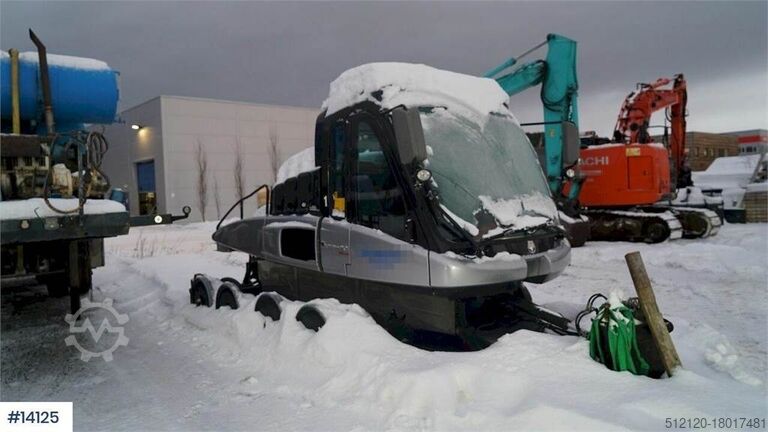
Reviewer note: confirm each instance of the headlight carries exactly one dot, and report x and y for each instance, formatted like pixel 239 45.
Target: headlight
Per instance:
pixel 423 175
pixel 570 173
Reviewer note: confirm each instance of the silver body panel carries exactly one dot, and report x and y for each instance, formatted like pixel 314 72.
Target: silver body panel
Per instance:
pixel 358 252
pixel 381 257
pixel 334 246
pixel 451 270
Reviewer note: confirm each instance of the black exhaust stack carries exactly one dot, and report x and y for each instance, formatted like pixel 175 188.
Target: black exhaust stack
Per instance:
pixel 45 82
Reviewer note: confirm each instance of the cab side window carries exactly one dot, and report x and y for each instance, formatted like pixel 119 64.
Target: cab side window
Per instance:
pixel 378 200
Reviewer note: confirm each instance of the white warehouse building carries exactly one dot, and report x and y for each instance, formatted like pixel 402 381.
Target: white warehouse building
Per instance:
pixel 155 151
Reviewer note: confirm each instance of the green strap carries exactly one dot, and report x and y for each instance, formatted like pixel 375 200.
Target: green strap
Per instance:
pixel 623 351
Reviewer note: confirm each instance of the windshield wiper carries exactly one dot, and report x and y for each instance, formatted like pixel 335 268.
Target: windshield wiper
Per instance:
pixel 528 230
pixel 461 231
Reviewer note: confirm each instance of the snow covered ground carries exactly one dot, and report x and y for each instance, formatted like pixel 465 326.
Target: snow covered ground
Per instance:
pixel 188 368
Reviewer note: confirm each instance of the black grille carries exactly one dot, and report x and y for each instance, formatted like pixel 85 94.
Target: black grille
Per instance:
pixel 520 246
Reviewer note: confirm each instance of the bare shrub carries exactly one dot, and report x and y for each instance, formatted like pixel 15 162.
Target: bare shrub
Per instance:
pixel 216 196
pixel 274 152
pixel 202 174
pixel 145 248
pixel 237 171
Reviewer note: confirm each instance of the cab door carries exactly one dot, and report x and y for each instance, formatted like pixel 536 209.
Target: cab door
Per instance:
pixel 379 245
pixel 334 230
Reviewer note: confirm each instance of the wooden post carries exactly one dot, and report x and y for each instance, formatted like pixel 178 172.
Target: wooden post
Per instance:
pixel 651 311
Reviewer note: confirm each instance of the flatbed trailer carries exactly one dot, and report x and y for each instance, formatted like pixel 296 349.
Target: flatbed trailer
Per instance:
pixel 58 251
pixel 61 251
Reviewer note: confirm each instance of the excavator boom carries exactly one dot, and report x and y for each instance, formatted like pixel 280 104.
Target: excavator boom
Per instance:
pixel 635 117
pixel 559 97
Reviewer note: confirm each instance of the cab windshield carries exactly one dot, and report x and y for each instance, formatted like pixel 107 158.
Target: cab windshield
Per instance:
pixel 486 174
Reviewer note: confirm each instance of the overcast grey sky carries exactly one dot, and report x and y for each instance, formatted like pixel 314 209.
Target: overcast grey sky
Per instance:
pixel 287 53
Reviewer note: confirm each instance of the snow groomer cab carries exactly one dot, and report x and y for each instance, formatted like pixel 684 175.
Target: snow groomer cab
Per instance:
pixel 422 201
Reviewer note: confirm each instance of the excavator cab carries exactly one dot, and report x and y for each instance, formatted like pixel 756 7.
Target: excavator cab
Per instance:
pixel 427 176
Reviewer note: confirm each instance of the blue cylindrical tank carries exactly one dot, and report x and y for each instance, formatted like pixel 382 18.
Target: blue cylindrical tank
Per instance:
pixel 82 90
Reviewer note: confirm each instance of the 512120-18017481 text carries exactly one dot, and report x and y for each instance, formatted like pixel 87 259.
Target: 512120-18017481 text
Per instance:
pixel 715 423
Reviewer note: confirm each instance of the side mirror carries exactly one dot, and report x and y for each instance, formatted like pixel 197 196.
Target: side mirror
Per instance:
pixel 571 143
pixel 409 135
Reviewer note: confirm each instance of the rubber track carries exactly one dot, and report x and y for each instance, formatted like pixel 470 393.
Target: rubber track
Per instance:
pixel 708 216
pixel 674 226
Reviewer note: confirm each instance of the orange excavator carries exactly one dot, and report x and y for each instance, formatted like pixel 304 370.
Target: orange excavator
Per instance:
pixel 630 191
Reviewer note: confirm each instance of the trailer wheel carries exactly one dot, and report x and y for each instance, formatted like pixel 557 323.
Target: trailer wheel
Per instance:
pixel 227 296
pixel 200 291
pixel 310 317
pixel 268 304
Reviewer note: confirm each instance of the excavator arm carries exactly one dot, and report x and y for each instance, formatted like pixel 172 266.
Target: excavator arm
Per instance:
pixel 635 117
pixel 559 97
pixel 559 90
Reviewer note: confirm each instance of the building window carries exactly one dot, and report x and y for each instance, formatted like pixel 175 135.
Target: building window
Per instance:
pixel 145 179
pixel 696 151
pixel 721 152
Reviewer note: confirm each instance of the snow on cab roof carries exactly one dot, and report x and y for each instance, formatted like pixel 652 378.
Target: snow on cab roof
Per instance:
pixel 62 61
pixel 301 162
pixel 415 85
pixel 728 172
pixel 743 164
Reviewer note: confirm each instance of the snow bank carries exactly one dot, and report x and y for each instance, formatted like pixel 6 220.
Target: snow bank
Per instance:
pixel 352 363
pixel 237 370
pixel 36 207
pixel 416 85
pixel 301 162
pixel 63 61
pixel 721 355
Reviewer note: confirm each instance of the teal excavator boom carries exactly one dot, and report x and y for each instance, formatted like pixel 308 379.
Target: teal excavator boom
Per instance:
pixel 559 96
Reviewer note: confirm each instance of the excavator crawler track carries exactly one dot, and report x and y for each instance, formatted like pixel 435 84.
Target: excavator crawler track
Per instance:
pixel 697 222
pixel 634 225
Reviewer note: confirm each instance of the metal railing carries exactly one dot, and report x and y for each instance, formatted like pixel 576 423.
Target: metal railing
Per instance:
pixel 240 204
